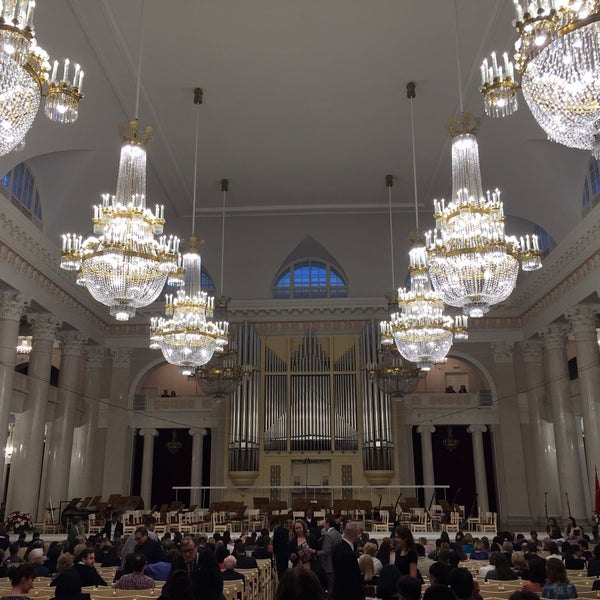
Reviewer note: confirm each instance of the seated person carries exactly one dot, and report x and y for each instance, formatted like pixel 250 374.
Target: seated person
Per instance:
pixel 36 558
pixel 574 560
pixel 479 553
pixel 502 572
pixel 135 579
pixel 230 574
pixel 86 569
pixel 559 586
pixel 68 586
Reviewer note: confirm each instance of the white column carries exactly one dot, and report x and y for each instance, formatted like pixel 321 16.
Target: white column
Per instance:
pixel 565 431
pixel 85 480
pixel 12 305
pixel 427 452
pixel 543 482
pixel 508 441
pixel 477 432
pixel 116 456
pixel 147 464
pixel 70 386
pixel 582 320
pixel 30 425
pixel 196 474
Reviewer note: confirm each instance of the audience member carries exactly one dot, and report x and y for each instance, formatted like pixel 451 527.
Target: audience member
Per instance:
pixel 387 584
pixel 13 555
pixel 438 592
pixel 479 553
pixel 230 574
pixel 299 584
pixel 553 530
pixel 243 561
pixel 68 586
pixel 347 581
pixel 331 537
pixel 461 583
pixel 21 578
pixel 87 572
pixel 593 569
pixel 280 545
pixel 536 576
pixel 160 570
pixel 573 559
pixel 36 558
pixel 178 586
pixel 558 587
pixel 409 588
pixel 384 551
pixel 135 579
pixel 113 528
pixel 406 556
pixel 502 571
pixel 145 545
pixel 438 573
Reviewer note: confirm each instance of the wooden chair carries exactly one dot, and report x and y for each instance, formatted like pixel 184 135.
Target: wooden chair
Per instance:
pixel 473 523
pixel 421 524
pixel 252 583
pixel 489 524
pixel 383 525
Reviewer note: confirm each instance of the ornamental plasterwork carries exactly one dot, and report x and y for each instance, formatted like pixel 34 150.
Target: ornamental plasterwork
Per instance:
pixel 503 352
pixel 12 304
pixel 27 270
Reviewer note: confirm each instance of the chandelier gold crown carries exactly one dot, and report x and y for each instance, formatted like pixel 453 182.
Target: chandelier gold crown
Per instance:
pixel 24 79
pixel 557 56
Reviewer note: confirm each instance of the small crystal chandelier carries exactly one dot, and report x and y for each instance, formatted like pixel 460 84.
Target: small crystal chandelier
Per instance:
pixel 422 332
pixel 223 374
pixel 24 78
pixel 450 443
pixel 473 264
pixel 24 346
pixel 122 264
pixel 557 57
pixel 188 339
pixel 394 375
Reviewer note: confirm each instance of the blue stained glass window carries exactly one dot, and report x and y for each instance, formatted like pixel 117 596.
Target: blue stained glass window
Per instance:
pixel 594 176
pixel 6 180
pixel 586 192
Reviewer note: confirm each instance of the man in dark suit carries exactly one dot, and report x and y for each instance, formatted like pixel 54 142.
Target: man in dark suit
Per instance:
pixel 74 533
pixel 281 539
pixel 243 561
pixel 230 574
pixel 150 548
pixel 202 566
pixel 347 580
pixel 113 528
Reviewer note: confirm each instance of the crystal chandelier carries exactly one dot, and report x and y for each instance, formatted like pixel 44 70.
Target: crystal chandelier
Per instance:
pixel 24 345
pixel 188 339
pixel 223 374
pixel 423 333
pixel 450 443
pixel 24 78
pixel 394 375
pixel 122 264
pixel 473 264
pixel 557 57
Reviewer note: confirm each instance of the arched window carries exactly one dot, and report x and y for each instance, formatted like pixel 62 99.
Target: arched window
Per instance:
pixel 310 279
pixel 591 184
pixel 20 188
pixel 310 272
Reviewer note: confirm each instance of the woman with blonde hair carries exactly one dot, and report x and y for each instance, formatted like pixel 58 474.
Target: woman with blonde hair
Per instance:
pixel 370 549
pixel 300 553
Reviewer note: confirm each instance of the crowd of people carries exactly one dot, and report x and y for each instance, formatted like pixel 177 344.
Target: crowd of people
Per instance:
pixel 314 560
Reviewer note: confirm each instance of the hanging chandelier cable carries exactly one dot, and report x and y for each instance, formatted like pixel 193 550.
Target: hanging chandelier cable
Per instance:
pixel 122 264
pixel 473 263
pixel 188 339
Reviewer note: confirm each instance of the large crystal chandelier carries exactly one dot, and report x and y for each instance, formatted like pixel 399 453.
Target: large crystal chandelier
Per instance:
pixel 24 77
pixel 558 58
pixel 223 374
pixel 122 264
pixel 188 339
pixel 473 264
pixel 423 333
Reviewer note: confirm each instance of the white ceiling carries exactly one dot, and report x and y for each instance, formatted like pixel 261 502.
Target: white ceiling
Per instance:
pixel 305 112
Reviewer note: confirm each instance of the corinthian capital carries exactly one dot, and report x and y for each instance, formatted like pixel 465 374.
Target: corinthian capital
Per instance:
pixel 582 318
pixel 44 326
pixel 71 343
pixel 555 336
pixel 503 351
pixel 12 304
pixel 121 357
